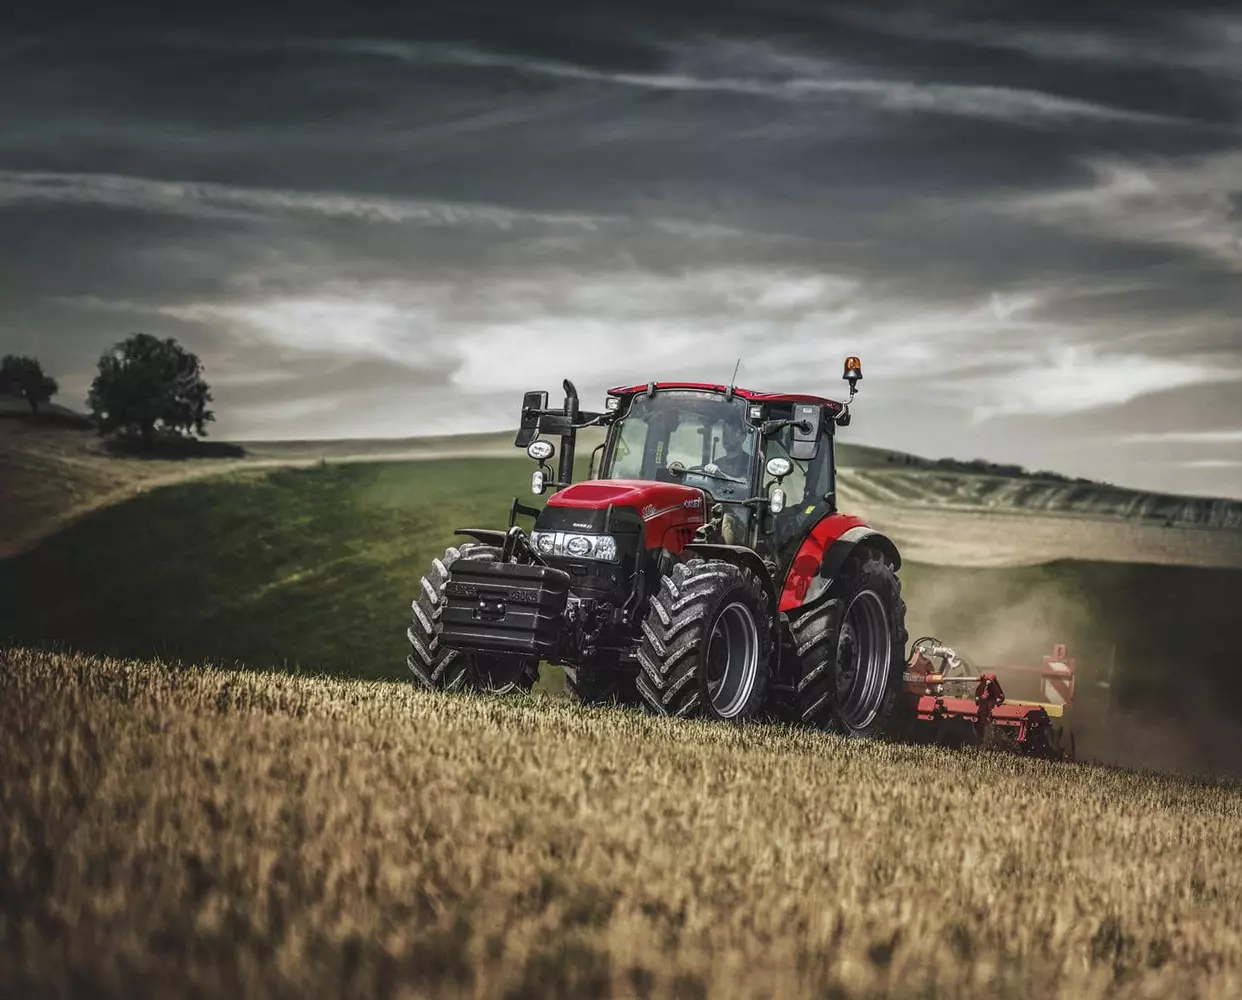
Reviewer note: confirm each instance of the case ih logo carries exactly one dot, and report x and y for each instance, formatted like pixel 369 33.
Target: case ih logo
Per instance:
pixel 651 512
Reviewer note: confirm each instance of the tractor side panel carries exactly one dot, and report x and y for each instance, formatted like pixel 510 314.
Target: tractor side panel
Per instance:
pixel 810 557
pixel 671 525
pixel 674 537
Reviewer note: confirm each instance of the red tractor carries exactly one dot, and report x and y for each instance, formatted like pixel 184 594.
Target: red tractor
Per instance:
pixel 704 571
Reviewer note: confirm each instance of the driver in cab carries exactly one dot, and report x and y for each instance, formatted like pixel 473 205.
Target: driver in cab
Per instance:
pixel 734 463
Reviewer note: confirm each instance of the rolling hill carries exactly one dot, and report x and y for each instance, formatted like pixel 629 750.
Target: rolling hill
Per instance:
pixel 305 555
pixel 314 569
pixel 50 474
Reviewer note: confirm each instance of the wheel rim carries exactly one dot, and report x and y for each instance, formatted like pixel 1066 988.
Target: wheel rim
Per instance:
pixel 732 660
pixel 864 655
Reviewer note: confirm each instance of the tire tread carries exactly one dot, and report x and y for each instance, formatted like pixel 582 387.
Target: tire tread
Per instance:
pixel 674 634
pixel 815 635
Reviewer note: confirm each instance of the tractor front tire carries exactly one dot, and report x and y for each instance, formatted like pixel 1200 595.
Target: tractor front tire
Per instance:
pixel 851 650
pixel 438 668
pixel 707 642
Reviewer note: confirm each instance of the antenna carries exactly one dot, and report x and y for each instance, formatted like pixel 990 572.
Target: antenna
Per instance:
pixel 733 380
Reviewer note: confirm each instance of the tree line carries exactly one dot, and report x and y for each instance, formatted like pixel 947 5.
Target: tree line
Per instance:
pixel 146 388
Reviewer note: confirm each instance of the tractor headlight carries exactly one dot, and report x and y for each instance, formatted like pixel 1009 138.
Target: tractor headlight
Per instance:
pixel 560 543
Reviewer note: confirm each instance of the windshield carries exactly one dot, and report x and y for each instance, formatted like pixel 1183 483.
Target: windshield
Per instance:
pixel 703 432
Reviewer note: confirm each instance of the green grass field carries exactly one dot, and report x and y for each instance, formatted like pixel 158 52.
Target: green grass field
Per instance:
pixel 51 474
pixel 300 568
pixel 313 569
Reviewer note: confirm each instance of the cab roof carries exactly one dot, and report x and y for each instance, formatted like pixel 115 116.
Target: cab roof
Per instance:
pixel 748 394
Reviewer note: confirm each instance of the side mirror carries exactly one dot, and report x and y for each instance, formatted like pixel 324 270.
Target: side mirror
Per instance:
pixel 528 429
pixel 540 451
pixel 809 426
pixel 779 468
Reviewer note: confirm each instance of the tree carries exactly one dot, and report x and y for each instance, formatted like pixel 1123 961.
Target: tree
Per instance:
pixel 146 385
pixel 22 376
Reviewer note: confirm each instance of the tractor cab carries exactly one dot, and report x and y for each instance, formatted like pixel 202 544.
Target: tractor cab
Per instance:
pixel 747 469
pixel 763 462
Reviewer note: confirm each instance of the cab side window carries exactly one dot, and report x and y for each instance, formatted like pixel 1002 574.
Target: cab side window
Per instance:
pixel 795 486
pixel 631 448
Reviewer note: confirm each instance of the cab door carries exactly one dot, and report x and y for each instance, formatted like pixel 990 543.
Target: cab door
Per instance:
pixel 809 496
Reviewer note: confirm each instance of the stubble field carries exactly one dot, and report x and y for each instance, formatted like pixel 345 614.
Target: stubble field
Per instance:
pixel 195 832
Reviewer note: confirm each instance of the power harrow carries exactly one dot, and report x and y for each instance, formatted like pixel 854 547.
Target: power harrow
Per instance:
pixel 952 704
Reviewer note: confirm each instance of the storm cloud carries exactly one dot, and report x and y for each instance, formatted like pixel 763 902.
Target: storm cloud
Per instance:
pixel 1028 222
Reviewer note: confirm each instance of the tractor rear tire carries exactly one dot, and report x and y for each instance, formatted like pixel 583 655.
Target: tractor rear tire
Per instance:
pixel 852 651
pixel 438 668
pixel 707 642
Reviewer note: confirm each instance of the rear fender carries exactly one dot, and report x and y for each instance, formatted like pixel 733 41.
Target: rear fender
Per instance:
pixel 822 555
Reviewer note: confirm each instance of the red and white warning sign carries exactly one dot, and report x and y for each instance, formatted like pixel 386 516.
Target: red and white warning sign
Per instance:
pixel 1058 677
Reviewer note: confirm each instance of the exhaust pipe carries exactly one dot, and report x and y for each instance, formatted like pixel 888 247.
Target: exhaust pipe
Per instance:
pixel 569 438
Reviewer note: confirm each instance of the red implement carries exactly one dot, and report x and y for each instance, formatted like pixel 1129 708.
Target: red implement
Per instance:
pixel 1028 724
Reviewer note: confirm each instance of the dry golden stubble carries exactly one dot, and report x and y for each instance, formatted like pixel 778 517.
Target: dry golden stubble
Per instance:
pixel 194 831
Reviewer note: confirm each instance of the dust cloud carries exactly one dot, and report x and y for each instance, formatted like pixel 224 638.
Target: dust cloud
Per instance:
pixel 1134 706
pixel 1190 737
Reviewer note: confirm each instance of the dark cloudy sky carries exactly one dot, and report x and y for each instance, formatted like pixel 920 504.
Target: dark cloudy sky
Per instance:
pixel 1027 220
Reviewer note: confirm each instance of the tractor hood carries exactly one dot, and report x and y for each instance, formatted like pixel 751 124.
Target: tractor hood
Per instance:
pixel 583 506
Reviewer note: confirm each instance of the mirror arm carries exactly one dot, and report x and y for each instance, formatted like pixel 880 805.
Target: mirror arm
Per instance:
pixel 598 419
pixel 772 426
pixel 557 422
